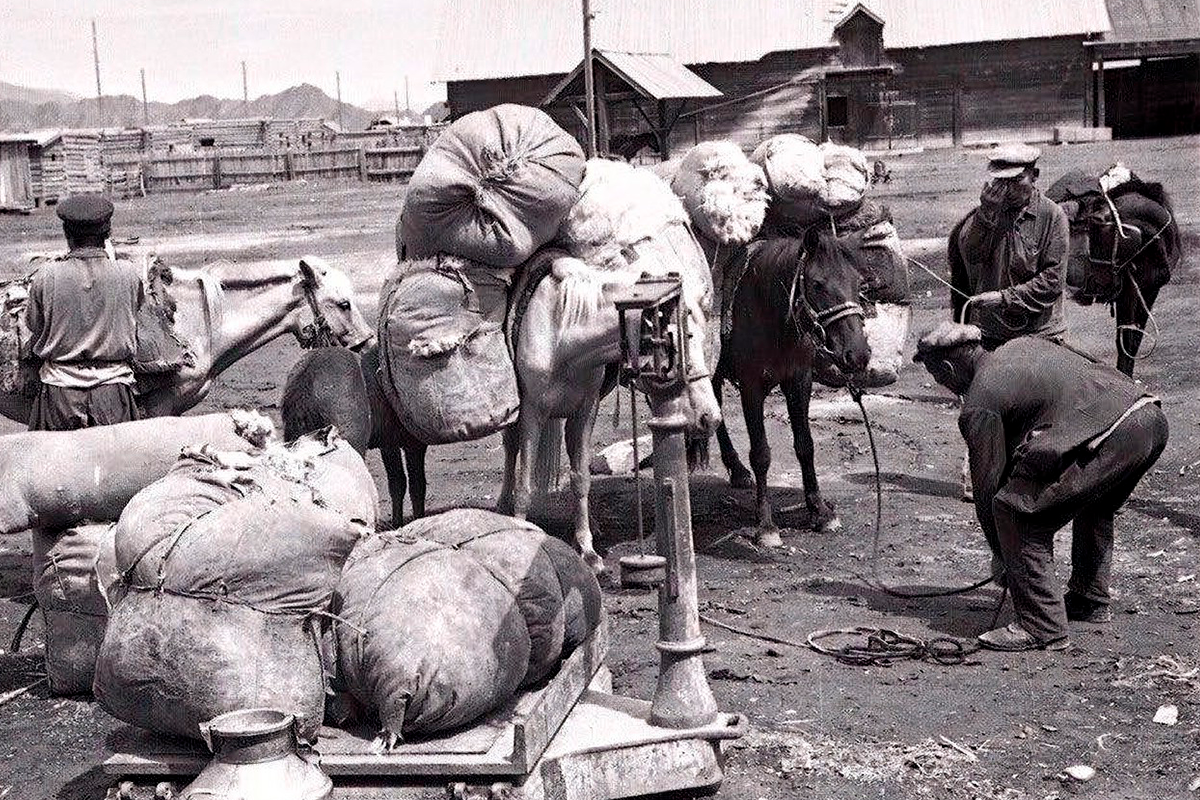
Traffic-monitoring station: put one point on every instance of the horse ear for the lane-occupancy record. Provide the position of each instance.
(310, 270)
(812, 238)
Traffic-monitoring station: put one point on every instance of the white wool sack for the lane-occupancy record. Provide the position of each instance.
(725, 195)
(886, 333)
(794, 166)
(619, 205)
(845, 176)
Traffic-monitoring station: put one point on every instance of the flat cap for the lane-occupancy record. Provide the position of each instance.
(85, 209)
(1007, 161)
(945, 335)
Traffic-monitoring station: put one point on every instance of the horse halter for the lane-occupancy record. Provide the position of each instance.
(318, 333)
(1121, 227)
(816, 322)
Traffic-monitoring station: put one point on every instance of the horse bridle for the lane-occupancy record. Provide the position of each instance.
(816, 322)
(1116, 222)
(318, 333)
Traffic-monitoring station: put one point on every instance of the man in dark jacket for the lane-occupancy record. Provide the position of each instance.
(82, 315)
(1053, 437)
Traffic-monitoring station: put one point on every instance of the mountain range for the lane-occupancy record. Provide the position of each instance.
(24, 108)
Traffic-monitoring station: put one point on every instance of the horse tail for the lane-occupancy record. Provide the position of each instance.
(547, 462)
(698, 451)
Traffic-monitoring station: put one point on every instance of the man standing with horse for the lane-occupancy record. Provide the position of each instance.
(82, 315)
(1053, 437)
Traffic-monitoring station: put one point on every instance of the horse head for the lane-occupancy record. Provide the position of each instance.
(330, 313)
(829, 301)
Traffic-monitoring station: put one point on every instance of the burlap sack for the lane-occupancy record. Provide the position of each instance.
(445, 366)
(724, 194)
(493, 188)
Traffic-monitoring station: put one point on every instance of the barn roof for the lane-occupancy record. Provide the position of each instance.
(1153, 20)
(39, 138)
(511, 38)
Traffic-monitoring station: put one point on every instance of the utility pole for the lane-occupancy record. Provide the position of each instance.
(96, 60)
(589, 84)
(396, 103)
(341, 120)
(407, 104)
(245, 93)
(145, 105)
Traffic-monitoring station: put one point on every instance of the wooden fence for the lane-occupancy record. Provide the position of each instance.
(215, 169)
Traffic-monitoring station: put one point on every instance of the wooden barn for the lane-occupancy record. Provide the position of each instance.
(16, 184)
(878, 74)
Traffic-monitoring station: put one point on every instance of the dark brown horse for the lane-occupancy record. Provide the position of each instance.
(1124, 245)
(791, 298)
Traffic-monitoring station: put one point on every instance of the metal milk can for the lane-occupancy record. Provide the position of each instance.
(256, 757)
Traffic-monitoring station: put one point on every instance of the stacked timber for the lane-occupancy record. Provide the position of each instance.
(82, 163)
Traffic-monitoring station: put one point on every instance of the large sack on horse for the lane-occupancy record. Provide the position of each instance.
(71, 571)
(444, 364)
(442, 621)
(326, 387)
(724, 194)
(557, 594)
(493, 188)
(846, 177)
(224, 564)
(427, 638)
(55, 479)
(795, 169)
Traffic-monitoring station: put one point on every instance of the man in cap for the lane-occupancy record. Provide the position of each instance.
(1053, 437)
(82, 314)
(1009, 255)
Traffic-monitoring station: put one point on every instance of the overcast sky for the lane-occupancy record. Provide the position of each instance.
(193, 47)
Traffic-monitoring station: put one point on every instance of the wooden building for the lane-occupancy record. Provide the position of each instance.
(878, 74)
(16, 189)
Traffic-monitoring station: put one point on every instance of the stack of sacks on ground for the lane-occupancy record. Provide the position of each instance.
(491, 190)
(441, 622)
(59, 480)
(628, 222)
(808, 182)
(226, 565)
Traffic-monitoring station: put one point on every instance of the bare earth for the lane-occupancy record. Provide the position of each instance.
(1002, 726)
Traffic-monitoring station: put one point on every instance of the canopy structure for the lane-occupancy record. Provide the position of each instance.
(656, 85)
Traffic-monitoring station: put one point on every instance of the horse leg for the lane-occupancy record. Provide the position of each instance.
(415, 456)
(512, 449)
(797, 391)
(760, 461)
(578, 437)
(530, 436)
(393, 464)
(1130, 310)
(739, 476)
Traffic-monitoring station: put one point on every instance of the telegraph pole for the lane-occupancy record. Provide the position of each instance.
(145, 105)
(341, 119)
(589, 84)
(396, 103)
(407, 104)
(96, 60)
(245, 93)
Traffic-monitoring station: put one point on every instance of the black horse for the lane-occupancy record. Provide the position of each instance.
(1124, 245)
(789, 299)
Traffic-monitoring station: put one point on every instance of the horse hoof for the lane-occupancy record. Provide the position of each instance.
(769, 538)
(741, 479)
(594, 562)
(832, 525)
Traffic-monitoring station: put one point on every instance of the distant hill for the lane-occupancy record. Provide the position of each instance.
(24, 109)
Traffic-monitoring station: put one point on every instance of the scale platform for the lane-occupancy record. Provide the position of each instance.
(571, 739)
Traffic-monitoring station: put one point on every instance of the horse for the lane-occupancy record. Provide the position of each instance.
(565, 336)
(1124, 245)
(792, 299)
(225, 311)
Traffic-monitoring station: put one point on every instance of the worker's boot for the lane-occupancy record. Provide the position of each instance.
(1013, 638)
(1081, 609)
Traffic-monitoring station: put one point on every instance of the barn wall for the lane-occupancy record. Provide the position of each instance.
(1006, 90)
(463, 97)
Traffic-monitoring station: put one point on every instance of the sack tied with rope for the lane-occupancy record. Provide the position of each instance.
(444, 363)
(72, 570)
(441, 622)
(225, 563)
(493, 188)
(808, 182)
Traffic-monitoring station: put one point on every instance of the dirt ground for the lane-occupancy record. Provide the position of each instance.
(1000, 726)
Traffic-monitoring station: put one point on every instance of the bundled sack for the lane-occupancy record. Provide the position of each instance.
(444, 620)
(810, 182)
(724, 194)
(444, 364)
(224, 563)
(886, 298)
(72, 570)
(493, 188)
(55, 479)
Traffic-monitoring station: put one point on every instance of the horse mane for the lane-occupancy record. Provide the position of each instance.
(240, 275)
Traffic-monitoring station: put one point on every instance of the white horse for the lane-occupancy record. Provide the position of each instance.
(225, 311)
